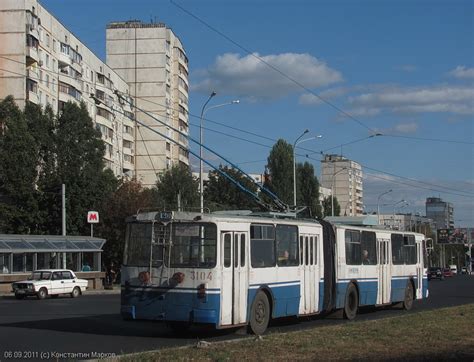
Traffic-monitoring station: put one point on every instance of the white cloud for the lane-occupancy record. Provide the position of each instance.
(411, 127)
(247, 76)
(446, 99)
(462, 72)
(309, 99)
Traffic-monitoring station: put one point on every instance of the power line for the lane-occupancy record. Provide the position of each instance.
(307, 156)
(274, 68)
(430, 139)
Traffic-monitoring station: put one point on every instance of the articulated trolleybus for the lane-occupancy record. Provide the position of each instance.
(242, 269)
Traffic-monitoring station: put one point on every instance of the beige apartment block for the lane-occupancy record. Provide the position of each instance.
(345, 178)
(153, 62)
(44, 63)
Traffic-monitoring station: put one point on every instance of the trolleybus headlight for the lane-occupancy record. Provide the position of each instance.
(201, 291)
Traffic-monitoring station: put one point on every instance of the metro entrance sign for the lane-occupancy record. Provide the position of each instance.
(92, 218)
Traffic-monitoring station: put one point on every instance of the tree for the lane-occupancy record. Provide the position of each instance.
(280, 168)
(125, 201)
(327, 209)
(18, 201)
(80, 166)
(41, 125)
(221, 194)
(178, 180)
(307, 190)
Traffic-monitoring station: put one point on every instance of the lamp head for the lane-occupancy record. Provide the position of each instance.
(213, 93)
(236, 101)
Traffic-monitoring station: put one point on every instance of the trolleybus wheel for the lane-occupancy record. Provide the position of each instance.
(351, 303)
(260, 314)
(408, 301)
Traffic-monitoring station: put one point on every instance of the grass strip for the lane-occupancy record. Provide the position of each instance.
(443, 334)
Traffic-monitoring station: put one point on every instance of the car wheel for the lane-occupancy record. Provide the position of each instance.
(42, 293)
(351, 303)
(260, 314)
(408, 301)
(19, 296)
(75, 292)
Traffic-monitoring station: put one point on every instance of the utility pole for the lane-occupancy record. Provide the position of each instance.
(63, 207)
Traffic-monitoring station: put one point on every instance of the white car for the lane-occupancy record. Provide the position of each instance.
(51, 282)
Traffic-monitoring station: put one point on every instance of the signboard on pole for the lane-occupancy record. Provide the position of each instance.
(93, 217)
(453, 236)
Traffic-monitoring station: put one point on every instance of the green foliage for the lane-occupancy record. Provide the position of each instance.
(327, 209)
(178, 180)
(307, 190)
(18, 197)
(280, 168)
(125, 201)
(222, 194)
(37, 154)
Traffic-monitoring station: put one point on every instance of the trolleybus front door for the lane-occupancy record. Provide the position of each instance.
(384, 282)
(234, 283)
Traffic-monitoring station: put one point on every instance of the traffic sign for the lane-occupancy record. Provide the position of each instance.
(93, 217)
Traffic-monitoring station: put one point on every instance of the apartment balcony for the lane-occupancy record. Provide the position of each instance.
(128, 151)
(75, 82)
(128, 137)
(64, 58)
(32, 56)
(183, 159)
(127, 166)
(32, 97)
(32, 30)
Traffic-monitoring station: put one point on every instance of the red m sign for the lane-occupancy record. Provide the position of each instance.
(92, 217)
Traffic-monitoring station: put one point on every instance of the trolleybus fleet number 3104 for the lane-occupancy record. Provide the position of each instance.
(228, 270)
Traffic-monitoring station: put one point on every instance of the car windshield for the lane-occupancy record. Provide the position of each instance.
(40, 276)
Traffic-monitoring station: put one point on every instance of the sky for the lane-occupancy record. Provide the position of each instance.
(341, 69)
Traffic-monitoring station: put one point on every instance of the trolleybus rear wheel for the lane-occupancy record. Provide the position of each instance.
(351, 303)
(260, 314)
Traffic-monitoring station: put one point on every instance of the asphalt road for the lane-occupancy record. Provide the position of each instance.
(90, 324)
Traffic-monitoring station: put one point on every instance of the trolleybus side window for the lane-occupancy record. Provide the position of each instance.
(353, 250)
(227, 250)
(397, 247)
(368, 247)
(286, 237)
(139, 243)
(409, 249)
(194, 245)
(242, 250)
(236, 250)
(262, 246)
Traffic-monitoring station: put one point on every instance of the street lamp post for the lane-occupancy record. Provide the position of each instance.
(332, 189)
(378, 204)
(201, 165)
(394, 206)
(297, 142)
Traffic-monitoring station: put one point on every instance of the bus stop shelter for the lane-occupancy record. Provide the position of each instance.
(21, 254)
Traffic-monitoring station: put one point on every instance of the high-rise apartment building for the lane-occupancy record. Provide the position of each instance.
(441, 212)
(344, 177)
(44, 63)
(153, 62)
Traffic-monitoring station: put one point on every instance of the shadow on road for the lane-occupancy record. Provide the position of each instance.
(114, 325)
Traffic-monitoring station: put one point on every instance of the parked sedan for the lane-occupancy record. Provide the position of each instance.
(51, 282)
(447, 272)
(435, 273)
